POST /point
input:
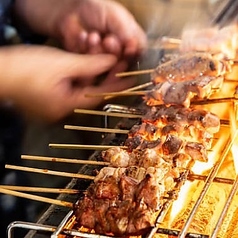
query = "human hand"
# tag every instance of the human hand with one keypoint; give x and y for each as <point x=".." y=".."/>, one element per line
<point x="49" y="83"/>
<point x="85" y="26"/>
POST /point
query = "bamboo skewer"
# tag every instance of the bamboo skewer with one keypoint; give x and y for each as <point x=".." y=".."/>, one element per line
<point x="102" y="113"/>
<point x="84" y="147"/>
<point x="96" y="129"/>
<point x="124" y="93"/>
<point x="141" y="86"/>
<point x="115" y="94"/>
<point x="133" y="73"/>
<point x="64" y="160"/>
<point x="49" y="172"/>
<point x="40" y="189"/>
<point x="36" y="198"/>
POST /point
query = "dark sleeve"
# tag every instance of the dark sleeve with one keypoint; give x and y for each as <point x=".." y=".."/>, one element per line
<point x="5" y="6"/>
<point x="24" y="33"/>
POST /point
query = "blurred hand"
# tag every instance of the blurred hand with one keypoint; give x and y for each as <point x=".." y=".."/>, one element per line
<point x="85" y="26"/>
<point x="50" y="83"/>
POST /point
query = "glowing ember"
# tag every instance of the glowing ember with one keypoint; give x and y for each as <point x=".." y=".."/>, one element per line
<point x="235" y="155"/>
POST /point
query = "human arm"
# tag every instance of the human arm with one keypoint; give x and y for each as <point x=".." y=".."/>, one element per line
<point x="49" y="83"/>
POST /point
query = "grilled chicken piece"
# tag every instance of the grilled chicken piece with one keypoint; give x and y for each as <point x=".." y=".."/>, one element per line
<point x="189" y="66"/>
<point x="109" y="171"/>
<point x="183" y="131"/>
<point x="207" y="120"/>
<point x="182" y="160"/>
<point x="139" y="143"/>
<point x="196" y="151"/>
<point x="151" y="158"/>
<point x="163" y="115"/>
<point x="122" y="205"/>
<point x="117" y="157"/>
<point x="221" y="41"/>
<point x="172" y="145"/>
<point x="181" y="93"/>
<point x="141" y="160"/>
<point x="144" y="129"/>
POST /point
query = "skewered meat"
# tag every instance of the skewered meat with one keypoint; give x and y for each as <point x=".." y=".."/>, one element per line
<point x="117" y="157"/>
<point x="125" y="199"/>
<point x="171" y="145"/>
<point x="181" y="93"/>
<point x="197" y="151"/>
<point x="175" y="129"/>
<point x="183" y="116"/>
<point x="222" y="41"/>
<point x="136" y="139"/>
<point x="189" y="66"/>
<point x="139" y="143"/>
<point x="142" y="158"/>
<point x="125" y="204"/>
<point x="109" y="172"/>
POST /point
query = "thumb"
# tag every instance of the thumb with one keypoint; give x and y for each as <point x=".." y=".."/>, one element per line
<point x="89" y="66"/>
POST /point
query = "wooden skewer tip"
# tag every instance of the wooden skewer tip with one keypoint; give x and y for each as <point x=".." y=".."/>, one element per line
<point x="64" y="160"/>
<point x="36" y="197"/>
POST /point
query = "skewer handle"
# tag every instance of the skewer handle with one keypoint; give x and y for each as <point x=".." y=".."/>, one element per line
<point x="102" y="113"/>
<point x="36" y="198"/>
<point x="49" y="172"/>
<point x="96" y="129"/>
<point x="136" y="72"/>
<point x="40" y="189"/>
<point x="84" y="147"/>
<point x="64" y="160"/>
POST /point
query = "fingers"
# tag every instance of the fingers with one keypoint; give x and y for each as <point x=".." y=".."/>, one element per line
<point x="72" y="34"/>
<point x="125" y="27"/>
<point x="95" y="43"/>
<point x="112" y="44"/>
<point x="84" y="66"/>
<point x="82" y="44"/>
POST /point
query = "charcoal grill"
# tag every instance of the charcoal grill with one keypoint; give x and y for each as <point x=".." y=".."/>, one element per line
<point x="54" y="221"/>
<point x="55" y="215"/>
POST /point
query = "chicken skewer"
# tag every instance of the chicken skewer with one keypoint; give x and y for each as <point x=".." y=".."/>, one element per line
<point x="123" y="201"/>
<point x="136" y="211"/>
<point x="181" y="93"/>
<point x="221" y="41"/>
<point x="179" y="80"/>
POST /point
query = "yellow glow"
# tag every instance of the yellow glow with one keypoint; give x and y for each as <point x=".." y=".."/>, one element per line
<point x="182" y="198"/>
<point x="234" y="150"/>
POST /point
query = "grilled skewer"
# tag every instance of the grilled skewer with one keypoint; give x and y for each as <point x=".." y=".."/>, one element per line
<point x="122" y="201"/>
<point x="179" y="80"/>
